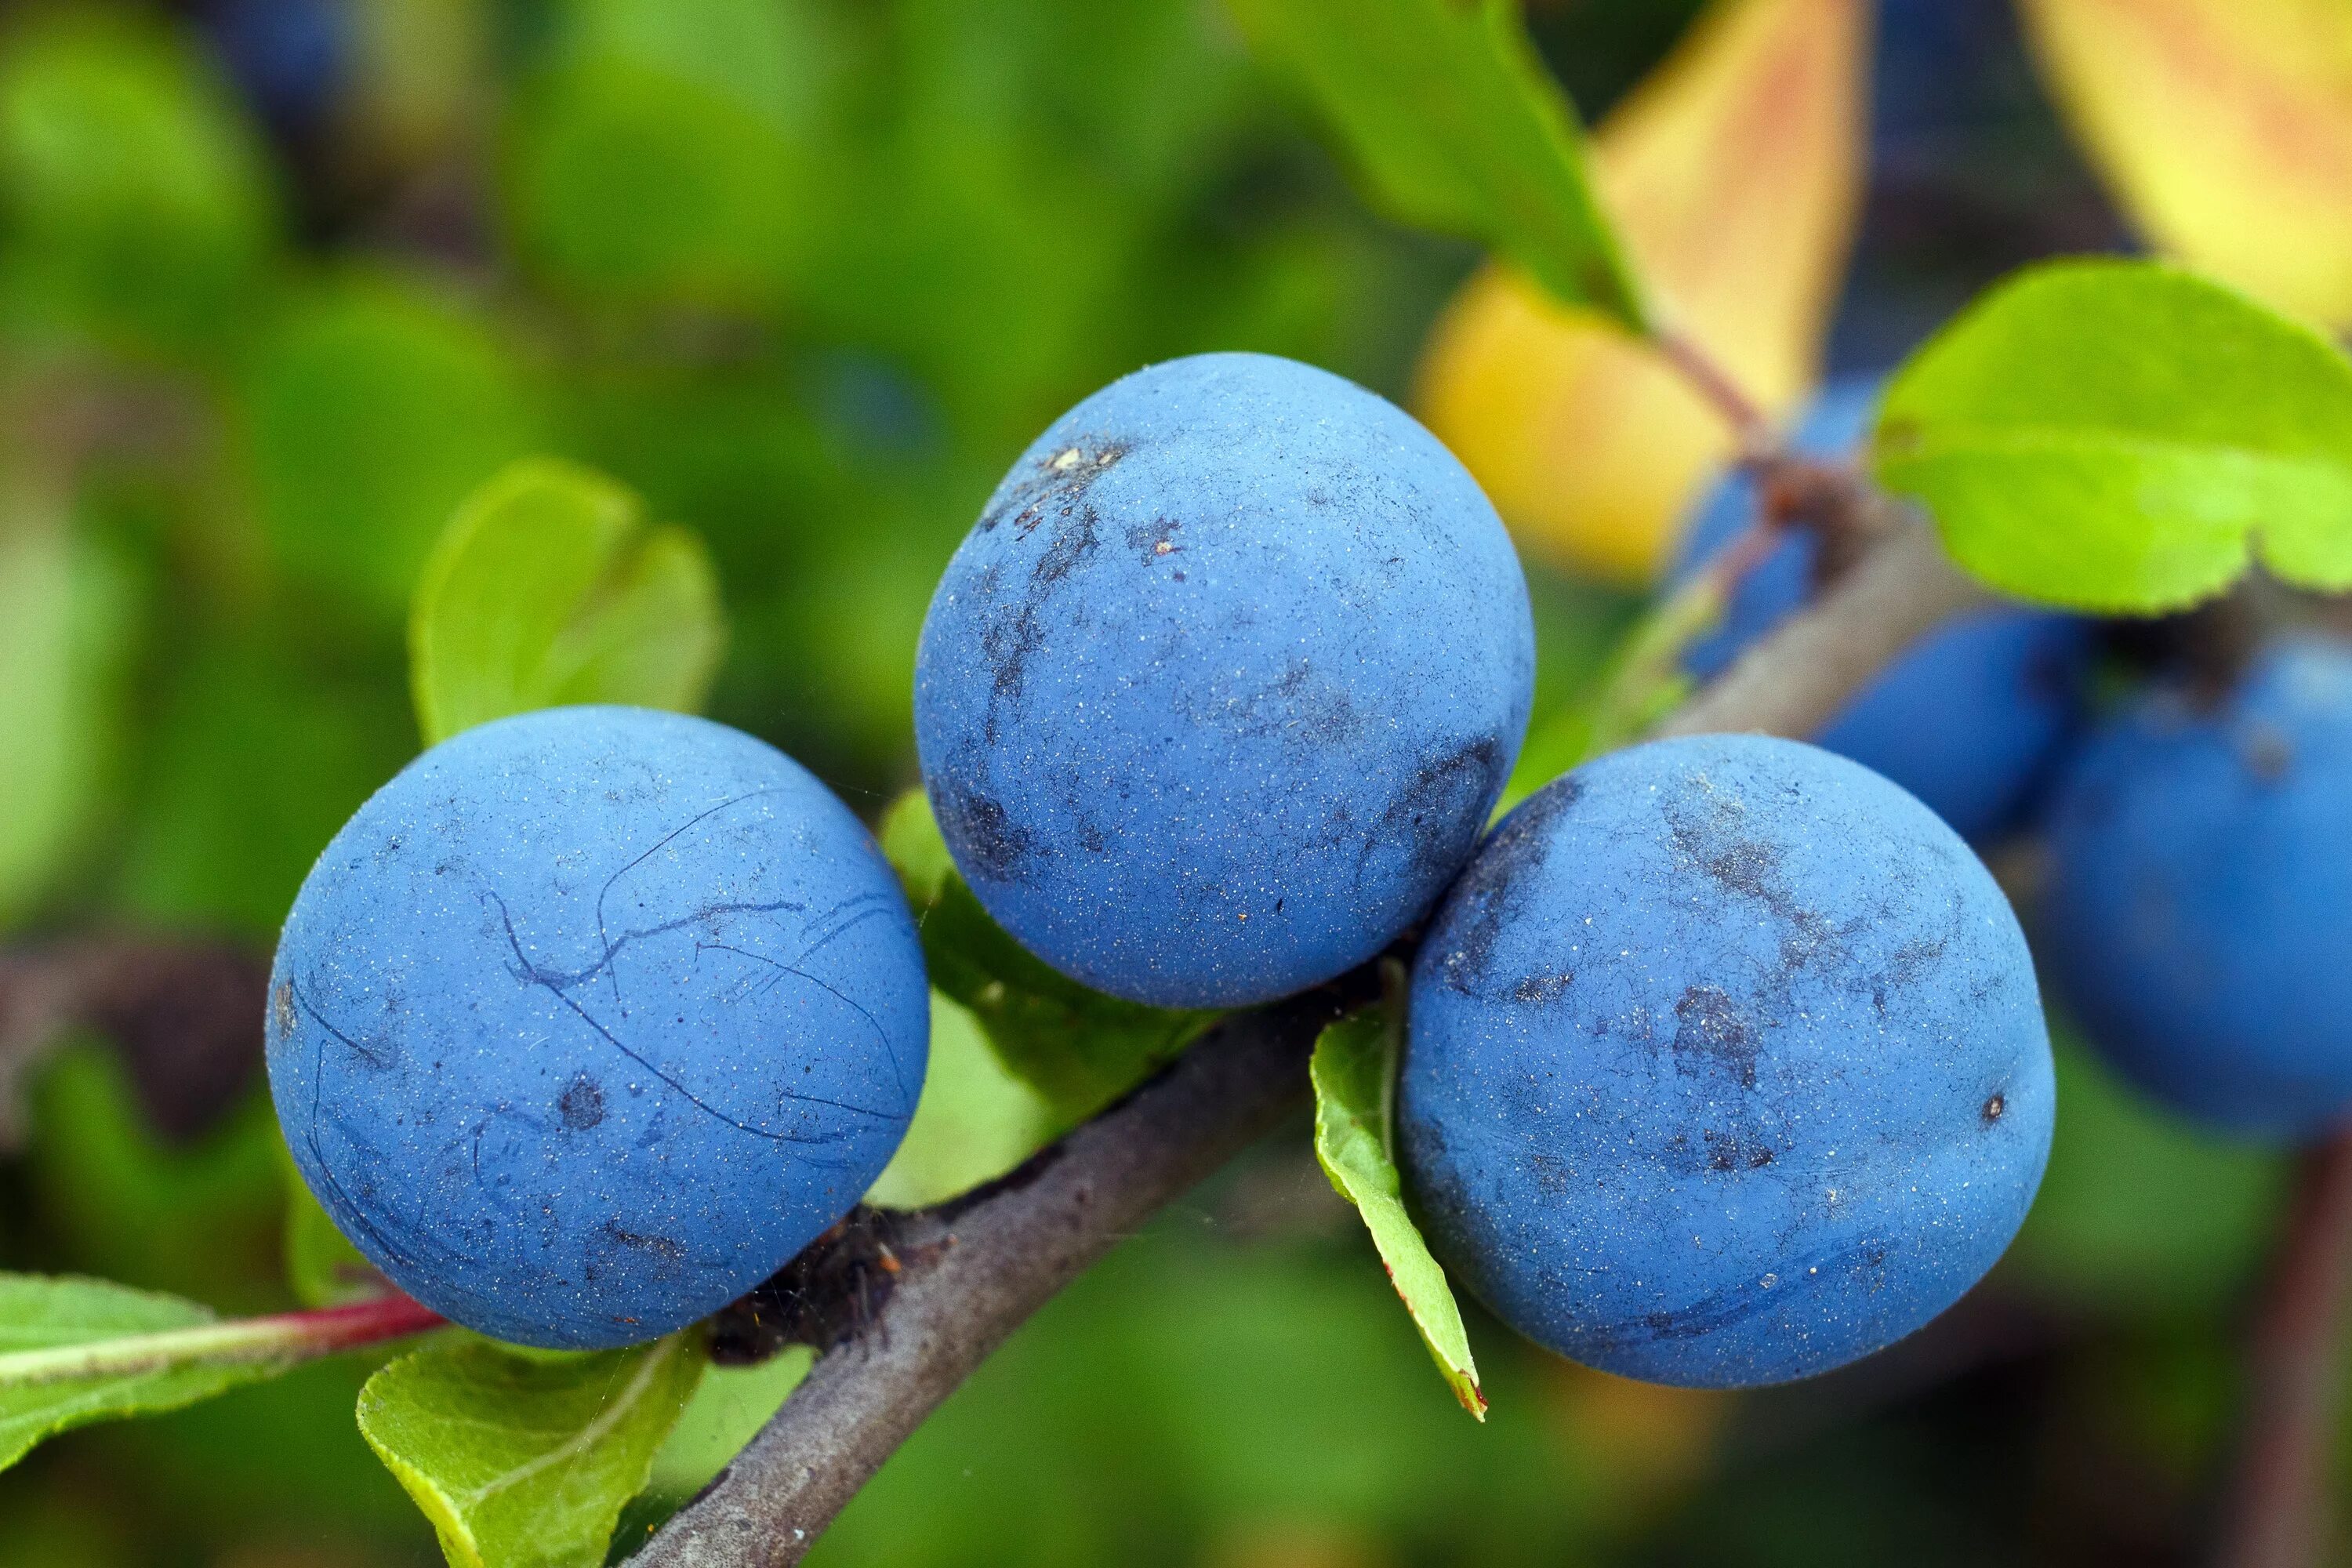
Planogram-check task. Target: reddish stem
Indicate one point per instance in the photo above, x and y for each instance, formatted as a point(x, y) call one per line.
point(2277, 1515)
point(331, 1329)
point(1748, 424)
point(285, 1339)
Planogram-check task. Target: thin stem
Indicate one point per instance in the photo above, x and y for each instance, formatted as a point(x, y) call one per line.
point(2277, 1515)
point(285, 1339)
point(1750, 427)
point(1791, 682)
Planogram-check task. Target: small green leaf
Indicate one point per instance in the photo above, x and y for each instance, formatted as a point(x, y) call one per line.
point(1079, 1049)
point(547, 589)
point(2121, 435)
point(322, 1268)
point(525, 1461)
point(1457, 126)
point(76, 1350)
point(1354, 1068)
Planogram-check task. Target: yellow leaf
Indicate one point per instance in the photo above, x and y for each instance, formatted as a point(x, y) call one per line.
point(2224, 127)
point(1733, 173)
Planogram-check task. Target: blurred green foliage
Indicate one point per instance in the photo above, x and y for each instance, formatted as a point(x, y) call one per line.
point(805, 274)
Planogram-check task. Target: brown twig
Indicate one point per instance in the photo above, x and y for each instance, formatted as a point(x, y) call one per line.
point(2276, 1513)
point(970, 1273)
point(1791, 682)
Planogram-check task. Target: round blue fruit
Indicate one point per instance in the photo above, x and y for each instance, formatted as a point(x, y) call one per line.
point(2199, 911)
point(590, 1019)
point(1216, 699)
point(1971, 720)
point(1725, 1065)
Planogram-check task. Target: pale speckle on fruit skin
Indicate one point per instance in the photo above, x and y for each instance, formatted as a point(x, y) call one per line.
point(2199, 907)
point(1702, 1056)
point(592, 1018)
point(1216, 697)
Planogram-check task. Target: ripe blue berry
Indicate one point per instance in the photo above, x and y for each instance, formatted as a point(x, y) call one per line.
point(1725, 1065)
point(1971, 719)
point(592, 1018)
point(2200, 906)
point(1216, 699)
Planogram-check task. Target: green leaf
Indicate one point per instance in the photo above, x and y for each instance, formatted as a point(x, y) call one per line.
point(1457, 126)
point(669, 153)
point(547, 589)
point(1354, 1071)
point(38, 1314)
point(525, 1461)
point(375, 404)
point(974, 1123)
point(322, 1268)
point(60, 611)
point(2121, 435)
point(76, 1350)
point(1079, 1049)
point(137, 196)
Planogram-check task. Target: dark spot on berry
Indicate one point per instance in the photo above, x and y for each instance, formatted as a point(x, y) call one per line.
point(1496, 884)
point(1711, 1032)
point(581, 1104)
point(986, 840)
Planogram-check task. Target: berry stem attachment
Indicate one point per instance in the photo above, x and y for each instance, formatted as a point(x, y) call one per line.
point(2276, 1516)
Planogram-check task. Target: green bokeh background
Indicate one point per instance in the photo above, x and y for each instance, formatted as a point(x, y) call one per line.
point(808, 273)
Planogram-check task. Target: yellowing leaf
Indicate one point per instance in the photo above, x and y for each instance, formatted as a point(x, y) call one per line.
point(2224, 127)
point(1733, 174)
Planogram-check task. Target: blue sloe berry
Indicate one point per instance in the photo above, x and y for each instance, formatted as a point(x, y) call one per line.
point(2199, 911)
point(1725, 1065)
point(592, 1018)
point(1216, 699)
